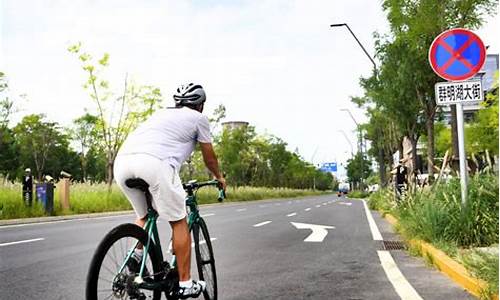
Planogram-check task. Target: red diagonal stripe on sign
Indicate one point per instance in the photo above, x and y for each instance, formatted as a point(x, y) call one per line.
point(455, 55)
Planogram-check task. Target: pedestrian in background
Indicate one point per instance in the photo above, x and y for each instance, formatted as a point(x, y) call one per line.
point(28, 187)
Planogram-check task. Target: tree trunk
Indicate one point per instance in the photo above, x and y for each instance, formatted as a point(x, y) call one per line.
point(413, 141)
point(109, 169)
point(429, 124)
point(381, 167)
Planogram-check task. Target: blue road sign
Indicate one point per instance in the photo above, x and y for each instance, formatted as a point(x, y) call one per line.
point(329, 167)
point(457, 54)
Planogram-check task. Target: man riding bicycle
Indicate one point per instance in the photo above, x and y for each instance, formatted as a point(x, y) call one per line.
point(155, 152)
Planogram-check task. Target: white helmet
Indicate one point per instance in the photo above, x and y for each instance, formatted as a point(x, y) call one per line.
point(189, 94)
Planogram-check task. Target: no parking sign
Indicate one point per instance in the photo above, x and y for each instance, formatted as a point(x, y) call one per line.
point(457, 54)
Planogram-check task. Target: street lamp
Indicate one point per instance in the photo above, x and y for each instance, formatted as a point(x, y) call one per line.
point(360, 136)
point(344, 24)
point(348, 140)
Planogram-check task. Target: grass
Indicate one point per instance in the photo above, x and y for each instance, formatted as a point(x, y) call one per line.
point(92, 198)
point(483, 263)
point(436, 215)
point(358, 194)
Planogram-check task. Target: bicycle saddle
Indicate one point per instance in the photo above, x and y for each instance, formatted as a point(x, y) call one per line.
point(137, 183)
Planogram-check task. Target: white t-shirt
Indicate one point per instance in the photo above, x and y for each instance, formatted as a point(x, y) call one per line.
point(170, 134)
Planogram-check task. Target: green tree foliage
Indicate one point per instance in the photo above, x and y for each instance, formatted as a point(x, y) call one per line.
point(43, 147)
point(86, 134)
point(118, 114)
point(358, 169)
point(404, 86)
point(482, 134)
point(9, 162)
point(249, 159)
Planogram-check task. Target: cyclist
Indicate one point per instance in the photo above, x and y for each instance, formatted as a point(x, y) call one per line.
point(155, 152)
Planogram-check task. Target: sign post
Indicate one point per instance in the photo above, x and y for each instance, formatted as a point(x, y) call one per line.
point(457, 55)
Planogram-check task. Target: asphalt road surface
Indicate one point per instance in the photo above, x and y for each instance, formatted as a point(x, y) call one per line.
point(263, 250)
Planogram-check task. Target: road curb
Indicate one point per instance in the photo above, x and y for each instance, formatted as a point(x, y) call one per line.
point(63, 218)
point(446, 265)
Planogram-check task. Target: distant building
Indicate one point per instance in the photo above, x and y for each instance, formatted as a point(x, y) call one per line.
point(234, 124)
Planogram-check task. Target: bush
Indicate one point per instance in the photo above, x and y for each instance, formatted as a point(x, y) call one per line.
point(358, 194)
point(437, 215)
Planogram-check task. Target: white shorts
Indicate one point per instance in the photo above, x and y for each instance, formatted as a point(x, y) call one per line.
point(169, 197)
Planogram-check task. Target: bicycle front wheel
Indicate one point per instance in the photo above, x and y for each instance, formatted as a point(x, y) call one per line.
point(104, 281)
point(205, 259)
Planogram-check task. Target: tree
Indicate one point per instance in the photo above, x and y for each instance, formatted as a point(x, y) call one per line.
point(40, 141)
point(9, 162)
point(482, 134)
point(85, 132)
point(118, 115)
point(358, 169)
point(419, 22)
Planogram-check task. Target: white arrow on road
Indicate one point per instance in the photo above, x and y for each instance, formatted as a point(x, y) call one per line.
point(318, 234)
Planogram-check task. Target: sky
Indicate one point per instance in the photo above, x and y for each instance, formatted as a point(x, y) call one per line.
point(275, 64)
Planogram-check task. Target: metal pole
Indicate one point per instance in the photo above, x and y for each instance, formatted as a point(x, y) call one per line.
point(461, 148)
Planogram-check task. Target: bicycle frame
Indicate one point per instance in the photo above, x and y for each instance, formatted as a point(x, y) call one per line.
point(151, 228)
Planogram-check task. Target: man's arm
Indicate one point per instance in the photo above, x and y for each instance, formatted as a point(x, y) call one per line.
point(211, 162)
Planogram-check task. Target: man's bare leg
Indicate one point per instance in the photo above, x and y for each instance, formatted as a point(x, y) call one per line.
point(181, 242)
point(140, 222)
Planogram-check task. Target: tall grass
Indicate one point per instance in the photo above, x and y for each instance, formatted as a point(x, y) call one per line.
point(91, 198)
point(483, 263)
point(438, 215)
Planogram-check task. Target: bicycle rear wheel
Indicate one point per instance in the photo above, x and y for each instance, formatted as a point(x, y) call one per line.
point(104, 281)
point(205, 259)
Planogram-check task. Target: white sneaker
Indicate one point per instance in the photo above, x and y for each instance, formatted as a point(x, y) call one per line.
point(194, 291)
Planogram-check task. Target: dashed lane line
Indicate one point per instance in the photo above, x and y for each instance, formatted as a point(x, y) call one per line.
point(207, 215)
point(291, 215)
point(21, 242)
point(403, 288)
point(307, 209)
point(241, 209)
point(262, 224)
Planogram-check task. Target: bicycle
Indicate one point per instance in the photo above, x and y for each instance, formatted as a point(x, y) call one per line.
point(125, 284)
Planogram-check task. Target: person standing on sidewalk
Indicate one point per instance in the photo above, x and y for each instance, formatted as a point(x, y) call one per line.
point(28, 187)
point(401, 178)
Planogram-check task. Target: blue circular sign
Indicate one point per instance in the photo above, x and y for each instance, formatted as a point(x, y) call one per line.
point(457, 54)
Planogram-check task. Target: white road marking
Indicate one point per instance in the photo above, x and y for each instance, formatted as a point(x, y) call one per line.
point(307, 209)
point(21, 242)
point(373, 227)
point(325, 204)
point(291, 215)
point(345, 203)
point(241, 209)
point(318, 234)
point(399, 282)
point(262, 223)
point(207, 215)
point(318, 205)
point(289, 202)
point(203, 242)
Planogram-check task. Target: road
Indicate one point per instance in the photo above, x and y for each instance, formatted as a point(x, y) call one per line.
point(259, 249)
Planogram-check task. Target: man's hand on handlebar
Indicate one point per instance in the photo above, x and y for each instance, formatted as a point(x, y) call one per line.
point(222, 182)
